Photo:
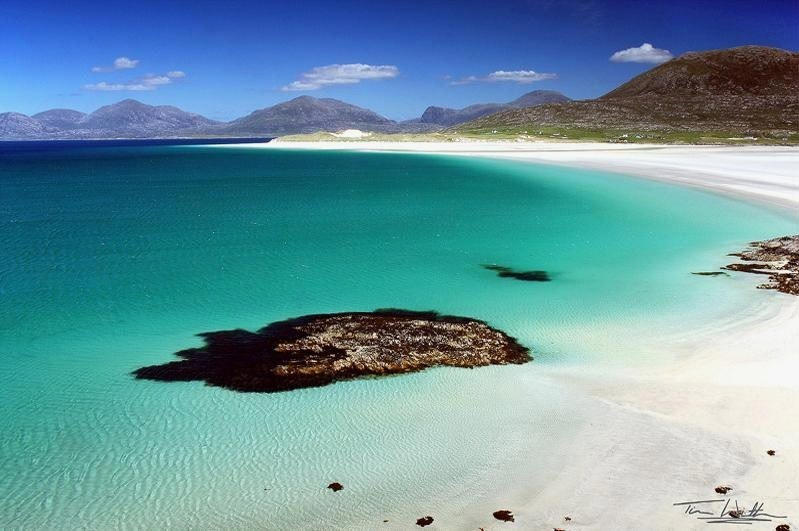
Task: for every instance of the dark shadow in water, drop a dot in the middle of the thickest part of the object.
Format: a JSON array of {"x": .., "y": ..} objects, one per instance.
[{"x": 529, "y": 276}]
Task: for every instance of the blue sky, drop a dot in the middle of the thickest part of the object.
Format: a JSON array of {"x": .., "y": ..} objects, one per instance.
[{"x": 225, "y": 59}]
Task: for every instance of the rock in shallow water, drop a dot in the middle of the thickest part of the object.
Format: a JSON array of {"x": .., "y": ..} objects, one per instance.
[
  {"x": 317, "y": 350},
  {"x": 778, "y": 258}
]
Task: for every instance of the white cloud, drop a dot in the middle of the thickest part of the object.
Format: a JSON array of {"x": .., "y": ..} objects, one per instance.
[
  {"x": 523, "y": 77},
  {"x": 148, "y": 82},
  {"x": 519, "y": 76},
  {"x": 120, "y": 63},
  {"x": 646, "y": 53},
  {"x": 346, "y": 74},
  {"x": 102, "y": 85}
]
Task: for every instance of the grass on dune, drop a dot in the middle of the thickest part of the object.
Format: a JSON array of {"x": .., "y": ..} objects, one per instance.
[{"x": 568, "y": 134}]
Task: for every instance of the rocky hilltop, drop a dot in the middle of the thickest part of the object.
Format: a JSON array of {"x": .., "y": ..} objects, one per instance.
[
  {"x": 749, "y": 90},
  {"x": 317, "y": 350},
  {"x": 306, "y": 114},
  {"x": 746, "y": 70},
  {"x": 60, "y": 118},
  {"x": 135, "y": 118},
  {"x": 16, "y": 125}
]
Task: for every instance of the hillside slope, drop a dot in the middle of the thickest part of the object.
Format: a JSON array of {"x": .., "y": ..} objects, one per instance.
[
  {"x": 306, "y": 114},
  {"x": 445, "y": 116},
  {"x": 745, "y": 90}
]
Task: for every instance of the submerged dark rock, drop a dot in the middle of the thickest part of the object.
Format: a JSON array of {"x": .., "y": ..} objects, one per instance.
[
  {"x": 505, "y": 516},
  {"x": 316, "y": 350},
  {"x": 424, "y": 521},
  {"x": 335, "y": 486},
  {"x": 778, "y": 258},
  {"x": 529, "y": 276},
  {"x": 711, "y": 273}
]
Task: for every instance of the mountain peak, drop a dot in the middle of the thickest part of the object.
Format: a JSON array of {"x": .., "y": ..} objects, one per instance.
[
  {"x": 130, "y": 101},
  {"x": 303, "y": 98},
  {"x": 306, "y": 114},
  {"x": 754, "y": 70},
  {"x": 60, "y": 118},
  {"x": 539, "y": 97}
]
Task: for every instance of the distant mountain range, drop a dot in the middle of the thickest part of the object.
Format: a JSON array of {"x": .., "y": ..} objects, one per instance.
[
  {"x": 750, "y": 89},
  {"x": 448, "y": 117},
  {"x": 133, "y": 119},
  {"x": 747, "y": 90},
  {"x": 125, "y": 119}
]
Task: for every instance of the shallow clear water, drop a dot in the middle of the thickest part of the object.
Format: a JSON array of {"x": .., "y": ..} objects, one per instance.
[{"x": 113, "y": 258}]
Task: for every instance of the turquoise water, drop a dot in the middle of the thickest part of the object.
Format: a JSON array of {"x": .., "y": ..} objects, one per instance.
[{"x": 113, "y": 258}]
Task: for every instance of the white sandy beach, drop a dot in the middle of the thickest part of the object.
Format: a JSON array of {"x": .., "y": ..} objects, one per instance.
[{"x": 706, "y": 416}]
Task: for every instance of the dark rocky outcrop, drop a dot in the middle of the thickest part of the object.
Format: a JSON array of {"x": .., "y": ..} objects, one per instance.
[
  {"x": 778, "y": 258},
  {"x": 317, "y": 350},
  {"x": 528, "y": 276}
]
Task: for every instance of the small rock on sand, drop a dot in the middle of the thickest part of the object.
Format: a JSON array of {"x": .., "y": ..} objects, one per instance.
[
  {"x": 771, "y": 452},
  {"x": 504, "y": 515},
  {"x": 722, "y": 489},
  {"x": 424, "y": 521}
]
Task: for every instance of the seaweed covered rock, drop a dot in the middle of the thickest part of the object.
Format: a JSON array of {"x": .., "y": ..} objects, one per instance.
[
  {"x": 778, "y": 258},
  {"x": 317, "y": 350}
]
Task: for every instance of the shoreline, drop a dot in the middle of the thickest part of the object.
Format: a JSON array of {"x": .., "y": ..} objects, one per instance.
[
  {"x": 705, "y": 415},
  {"x": 763, "y": 174}
]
